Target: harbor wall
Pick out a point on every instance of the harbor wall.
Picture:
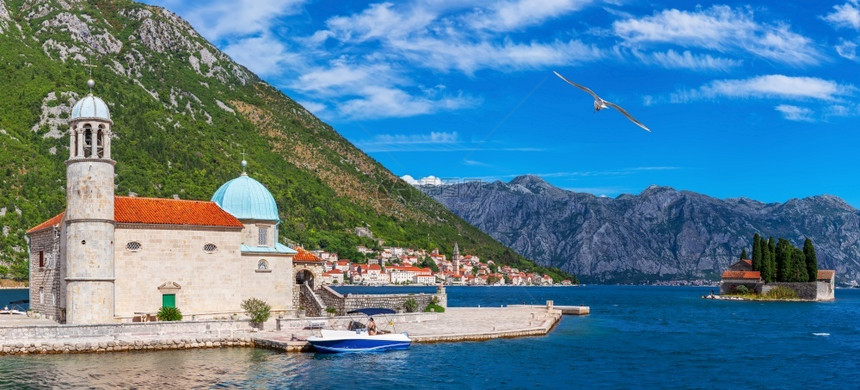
(123, 337)
(346, 303)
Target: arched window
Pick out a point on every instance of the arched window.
(100, 144)
(75, 136)
(262, 265)
(88, 140)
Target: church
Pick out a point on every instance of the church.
(110, 259)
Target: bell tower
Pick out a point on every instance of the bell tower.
(89, 219)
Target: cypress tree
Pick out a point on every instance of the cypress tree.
(744, 254)
(771, 259)
(757, 254)
(798, 264)
(783, 260)
(811, 260)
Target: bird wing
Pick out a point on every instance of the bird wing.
(632, 119)
(590, 92)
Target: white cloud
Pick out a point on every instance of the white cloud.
(515, 14)
(769, 86)
(847, 49)
(719, 28)
(795, 113)
(264, 55)
(314, 107)
(687, 60)
(845, 15)
(385, 102)
(409, 179)
(222, 18)
(424, 181)
(434, 137)
(469, 57)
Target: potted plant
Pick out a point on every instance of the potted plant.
(258, 310)
(330, 311)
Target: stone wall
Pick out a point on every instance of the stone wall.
(807, 291)
(60, 332)
(45, 288)
(349, 302)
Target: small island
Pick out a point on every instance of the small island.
(778, 271)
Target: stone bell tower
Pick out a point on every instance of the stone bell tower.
(89, 218)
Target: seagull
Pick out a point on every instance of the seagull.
(600, 104)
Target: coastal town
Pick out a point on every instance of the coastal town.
(406, 266)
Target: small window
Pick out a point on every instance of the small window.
(41, 259)
(41, 295)
(210, 248)
(263, 266)
(264, 232)
(133, 246)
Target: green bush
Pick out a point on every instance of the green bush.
(257, 309)
(330, 310)
(743, 290)
(782, 292)
(166, 313)
(411, 305)
(434, 308)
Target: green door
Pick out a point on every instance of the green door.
(168, 300)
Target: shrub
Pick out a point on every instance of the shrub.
(257, 309)
(166, 313)
(434, 308)
(330, 310)
(411, 305)
(743, 290)
(782, 292)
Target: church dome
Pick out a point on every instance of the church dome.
(246, 198)
(90, 107)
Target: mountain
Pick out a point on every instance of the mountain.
(184, 114)
(660, 234)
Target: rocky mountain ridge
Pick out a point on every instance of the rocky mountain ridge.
(661, 234)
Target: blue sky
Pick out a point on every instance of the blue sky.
(744, 99)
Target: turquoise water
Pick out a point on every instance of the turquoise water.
(14, 294)
(635, 337)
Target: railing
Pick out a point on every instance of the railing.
(309, 293)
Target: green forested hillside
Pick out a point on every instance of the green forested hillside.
(184, 113)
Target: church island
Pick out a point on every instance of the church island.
(108, 258)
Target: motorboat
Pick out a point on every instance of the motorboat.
(359, 339)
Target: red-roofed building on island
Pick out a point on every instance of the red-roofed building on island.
(741, 274)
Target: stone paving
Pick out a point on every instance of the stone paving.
(455, 324)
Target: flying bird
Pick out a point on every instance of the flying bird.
(600, 104)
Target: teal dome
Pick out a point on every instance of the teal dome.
(246, 198)
(90, 107)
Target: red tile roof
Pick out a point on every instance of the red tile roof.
(748, 262)
(825, 274)
(53, 221)
(742, 275)
(172, 212)
(162, 212)
(305, 256)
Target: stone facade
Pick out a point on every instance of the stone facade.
(46, 292)
(211, 283)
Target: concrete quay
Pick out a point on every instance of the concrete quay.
(27, 336)
(454, 325)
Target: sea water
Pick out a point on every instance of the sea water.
(635, 337)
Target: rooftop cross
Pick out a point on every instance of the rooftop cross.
(244, 163)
